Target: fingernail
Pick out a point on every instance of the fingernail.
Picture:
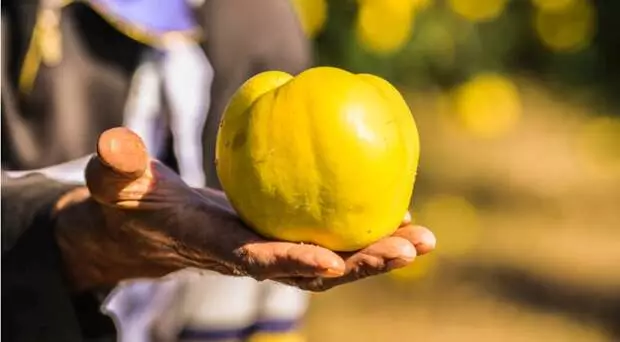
(398, 263)
(123, 151)
(408, 252)
(427, 243)
(330, 266)
(331, 273)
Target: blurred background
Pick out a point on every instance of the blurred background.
(517, 107)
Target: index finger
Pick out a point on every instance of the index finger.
(275, 259)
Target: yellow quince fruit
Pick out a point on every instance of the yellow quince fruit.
(326, 157)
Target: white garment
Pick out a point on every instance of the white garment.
(202, 303)
(215, 303)
(185, 75)
(143, 110)
(71, 172)
(137, 308)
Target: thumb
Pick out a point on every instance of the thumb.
(118, 173)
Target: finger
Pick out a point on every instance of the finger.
(381, 257)
(284, 259)
(123, 152)
(422, 238)
(121, 159)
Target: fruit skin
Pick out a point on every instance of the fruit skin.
(327, 157)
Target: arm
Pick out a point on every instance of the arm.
(35, 193)
(26, 201)
(138, 219)
(35, 299)
(155, 224)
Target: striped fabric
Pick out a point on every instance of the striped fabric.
(155, 16)
(275, 326)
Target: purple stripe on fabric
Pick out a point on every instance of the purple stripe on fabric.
(156, 16)
(212, 335)
(272, 326)
(276, 325)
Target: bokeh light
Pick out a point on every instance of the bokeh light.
(419, 5)
(567, 29)
(439, 43)
(455, 222)
(488, 105)
(552, 5)
(395, 6)
(312, 15)
(422, 267)
(599, 143)
(478, 10)
(384, 27)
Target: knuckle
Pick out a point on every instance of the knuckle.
(246, 263)
(371, 265)
(243, 254)
(250, 263)
(314, 285)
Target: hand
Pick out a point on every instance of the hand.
(139, 219)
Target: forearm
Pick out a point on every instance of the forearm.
(32, 268)
(26, 201)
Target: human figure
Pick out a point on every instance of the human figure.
(173, 70)
(63, 244)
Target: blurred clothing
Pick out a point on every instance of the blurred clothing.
(71, 172)
(143, 112)
(148, 17)
(36, 302)
(181, 75)
(137, 307)
(173, 69)
(228, 309)
(190, 305)
(70, 103)
(244, 38)
(218, 308)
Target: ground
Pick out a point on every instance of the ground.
(528, 225)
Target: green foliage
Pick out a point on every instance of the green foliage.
(446, 49)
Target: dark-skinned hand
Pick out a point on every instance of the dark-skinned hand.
(139, 219)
